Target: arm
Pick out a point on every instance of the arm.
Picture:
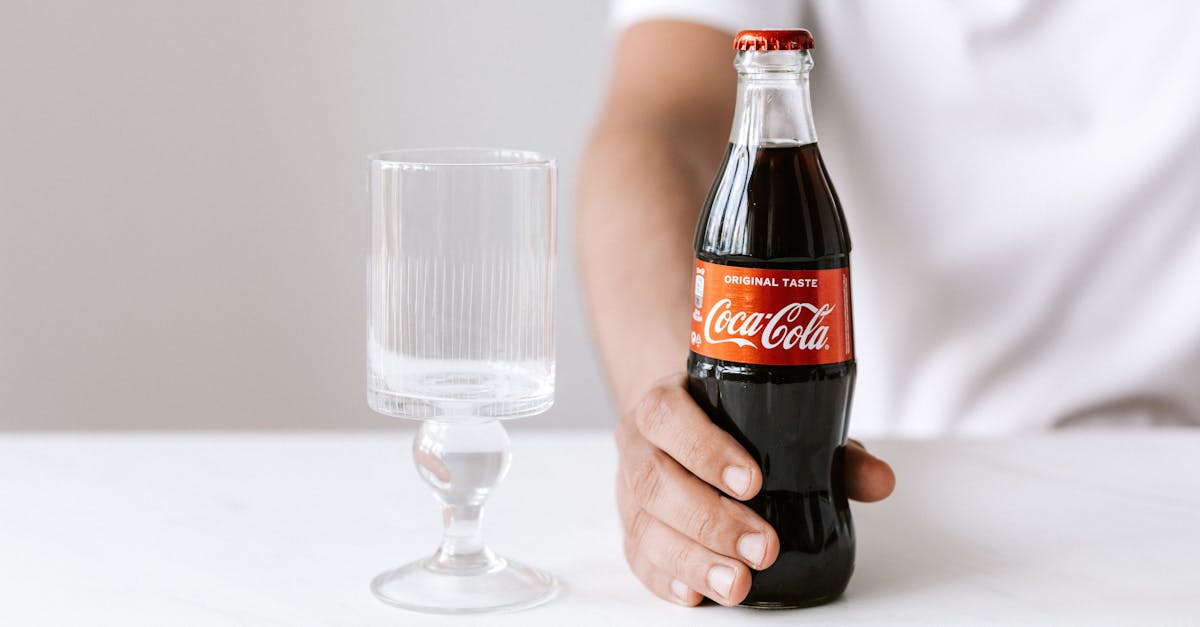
(644, 178)
(646, 171)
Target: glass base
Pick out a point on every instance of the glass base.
(423, 586)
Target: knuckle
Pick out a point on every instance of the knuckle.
(696, 450)
(703, 525)
(653, 411)
(626, 430)
(645, 479)
(681, 555)
(635, 527)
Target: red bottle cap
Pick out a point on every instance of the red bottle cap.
(781, 39)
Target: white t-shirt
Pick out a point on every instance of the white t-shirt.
(1022, 185)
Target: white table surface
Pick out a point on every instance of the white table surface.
(287, 529)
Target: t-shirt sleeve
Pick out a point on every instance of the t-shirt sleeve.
(727, 15)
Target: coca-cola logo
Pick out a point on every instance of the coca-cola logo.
(794, 326)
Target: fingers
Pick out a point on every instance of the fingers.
(683, 538)
(867, 477)
(667, 561)
(659, 486)
(662, 583)
(669, 418)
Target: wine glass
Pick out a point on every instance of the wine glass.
(461, 336)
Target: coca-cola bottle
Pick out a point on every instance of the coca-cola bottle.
(772, 359)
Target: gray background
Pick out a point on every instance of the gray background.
(182, 194)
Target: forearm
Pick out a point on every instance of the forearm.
(640, 194)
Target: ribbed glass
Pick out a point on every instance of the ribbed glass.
(461, 281)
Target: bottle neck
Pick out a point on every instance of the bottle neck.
(773, 106)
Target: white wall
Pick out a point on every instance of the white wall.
(182, 193)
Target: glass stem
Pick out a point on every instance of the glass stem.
(463, 534)
(462, 462)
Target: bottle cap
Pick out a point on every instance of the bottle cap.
(778, 39)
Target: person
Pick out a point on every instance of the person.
(1020, 182)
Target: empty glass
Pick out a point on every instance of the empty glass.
(461, 334)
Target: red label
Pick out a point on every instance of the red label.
(772, 317)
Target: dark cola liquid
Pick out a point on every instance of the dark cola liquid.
(774, 207)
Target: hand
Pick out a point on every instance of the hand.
(684, 539)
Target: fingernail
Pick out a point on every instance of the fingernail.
(752, 546)
(737, 479)
(720, 579)
(681, 590)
